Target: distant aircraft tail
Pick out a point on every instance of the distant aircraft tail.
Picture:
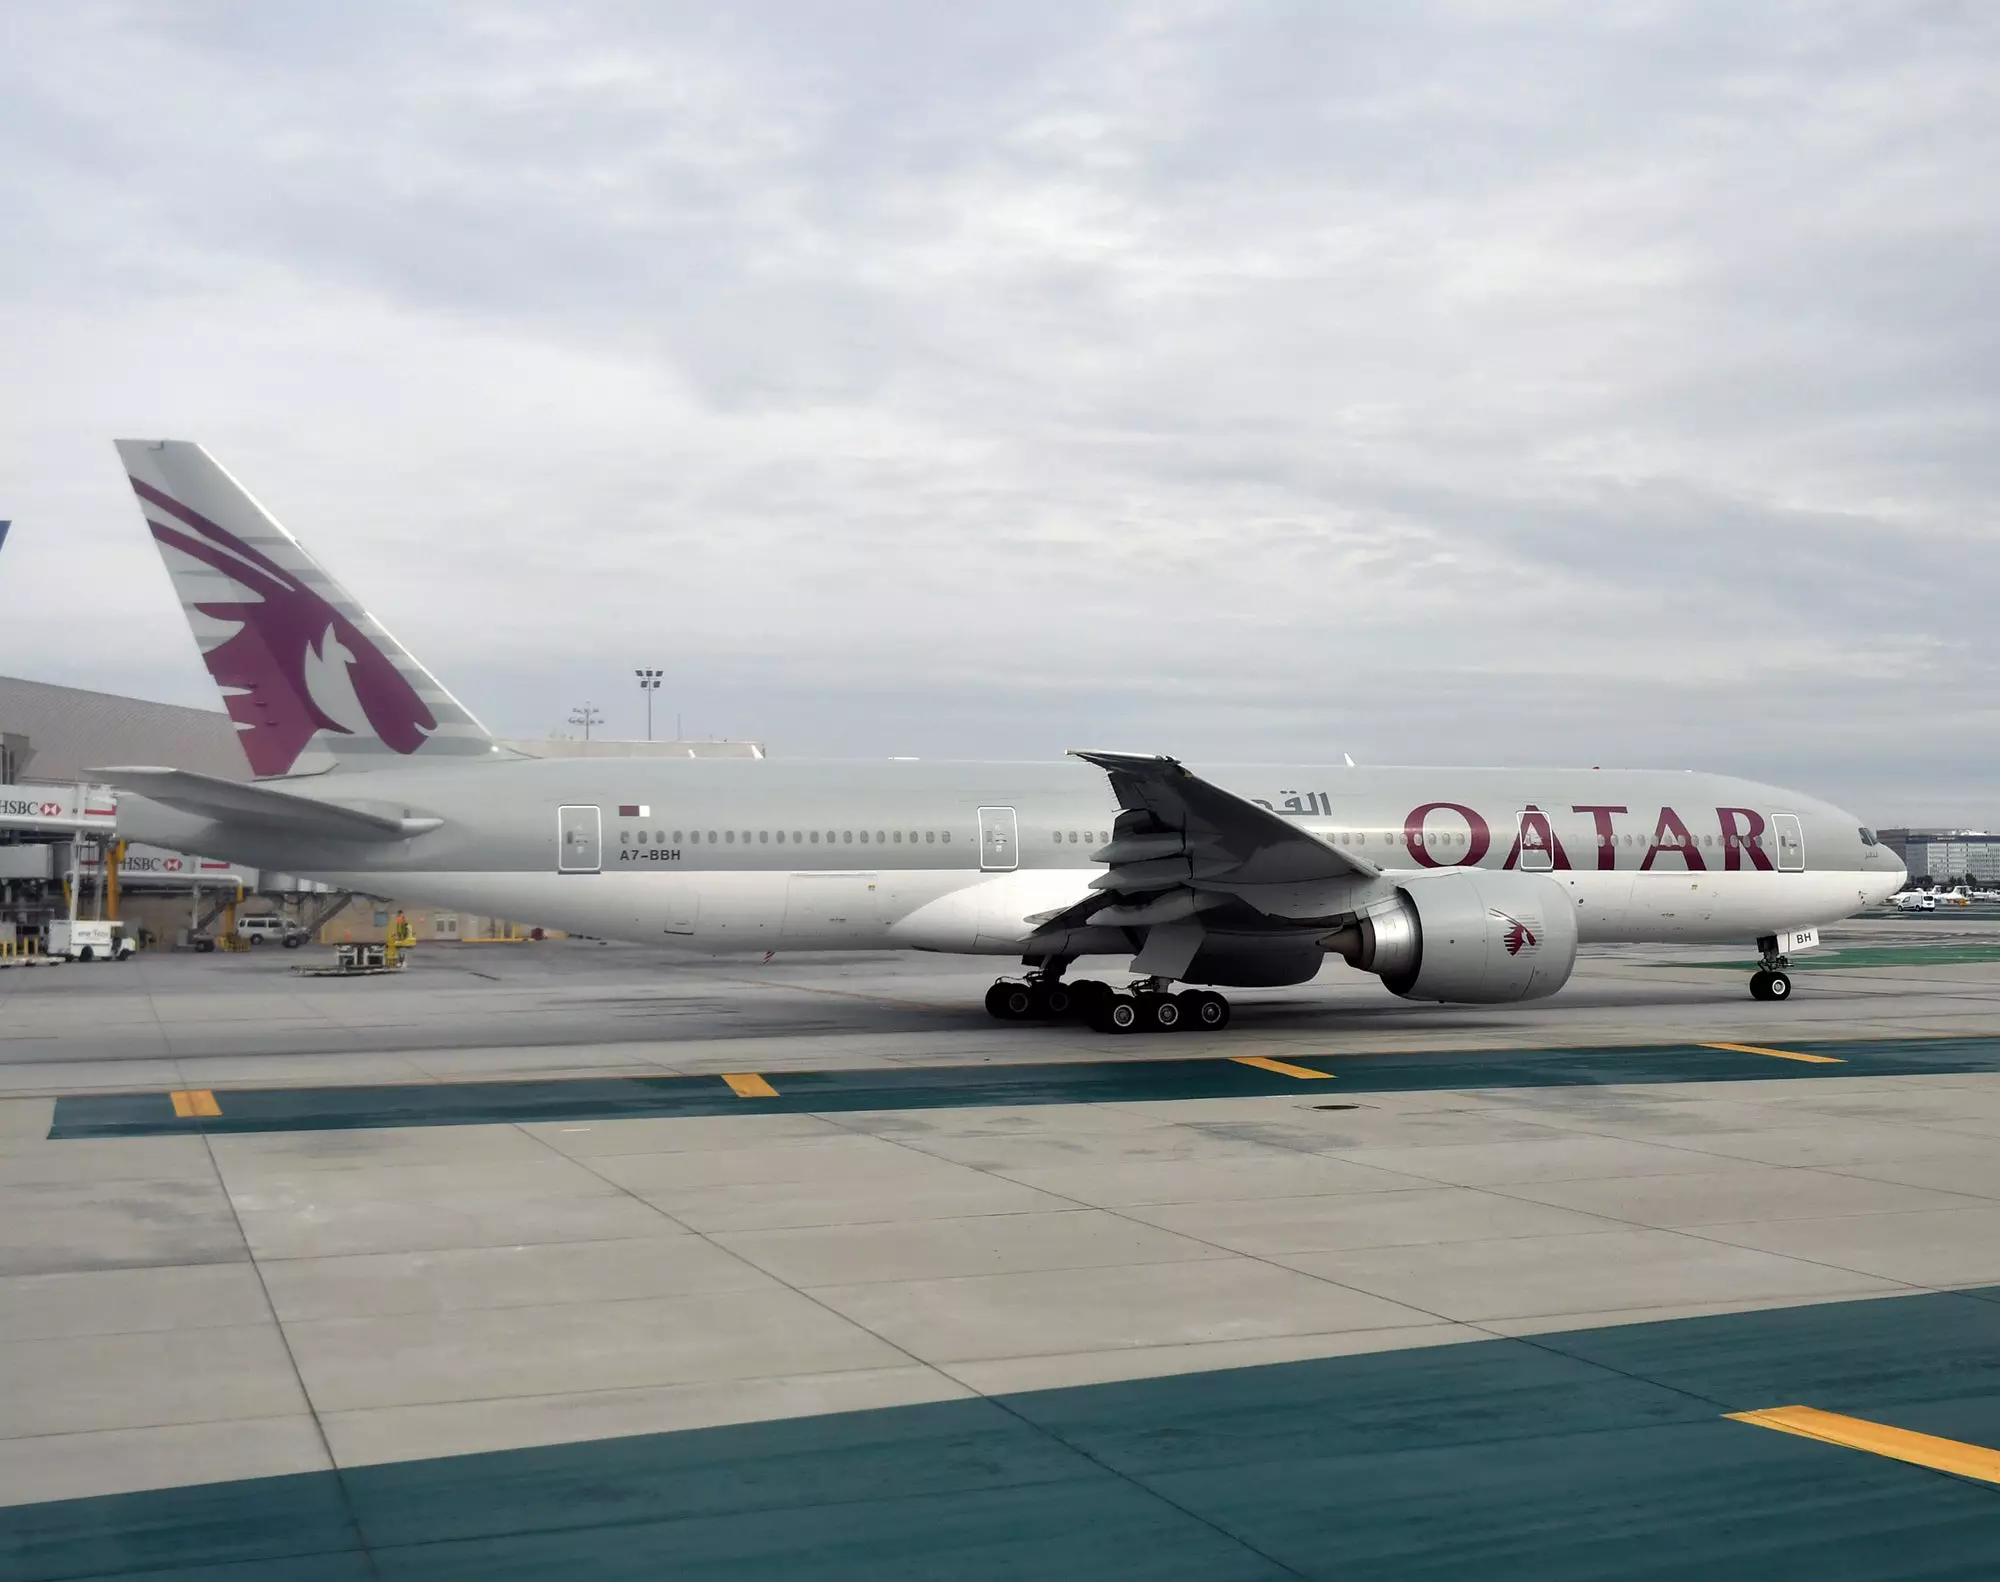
(311, 679)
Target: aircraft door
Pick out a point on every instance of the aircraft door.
(999, 840)
(1537, 842)
(580, 839)
(1791, 842)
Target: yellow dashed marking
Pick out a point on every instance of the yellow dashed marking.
(1898, 1444)
(748, 1085)
(1779, 1054)
(195, 1101)
(1303, 1073)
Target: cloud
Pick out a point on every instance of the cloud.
(1519, 381)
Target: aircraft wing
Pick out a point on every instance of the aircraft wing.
(239, 802)
(1181, 833)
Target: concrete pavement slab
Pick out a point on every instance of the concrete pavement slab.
(988, 1317)
(569, 1347)
(940, 1248)
(1525, 1276)
(535, 1274)
(68, 1466)
(77, 1384)
(130, 1301)
(1741, 1194)
(371, 1435)
(53, 1226)
(1365, 1219)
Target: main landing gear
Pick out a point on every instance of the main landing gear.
(1770, 981)
(1147, 1006)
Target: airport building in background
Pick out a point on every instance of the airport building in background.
(1946, 856)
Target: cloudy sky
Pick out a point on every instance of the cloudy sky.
(1504, 381)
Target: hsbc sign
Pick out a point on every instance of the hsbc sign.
(83, 810)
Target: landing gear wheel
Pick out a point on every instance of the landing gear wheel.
(1010, 1002)
(1085, 995)
(1160, 1013)
(1115, 1013)
(1055, 1000)
(1204, 1011)
(1766, 984)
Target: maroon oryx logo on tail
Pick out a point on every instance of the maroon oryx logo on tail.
(262, 667)
(1519, 936)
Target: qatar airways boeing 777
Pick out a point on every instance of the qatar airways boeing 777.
(1448, 884)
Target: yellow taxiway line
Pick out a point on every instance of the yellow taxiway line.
(748, 1085)
(195, 1101)
(1898, 1444)
(1303, 1073)
(1778, 1054)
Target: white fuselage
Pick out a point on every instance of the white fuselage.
(726, 856)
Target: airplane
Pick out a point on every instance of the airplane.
(1450, 885)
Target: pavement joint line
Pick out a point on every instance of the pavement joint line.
(1303, 1073)
(189, 1102)
(1897, 1444)
(1779, 1054)
(749, 1085)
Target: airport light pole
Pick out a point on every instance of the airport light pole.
(586, 716)
(649, 683)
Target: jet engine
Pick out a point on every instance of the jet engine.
(1469, 935)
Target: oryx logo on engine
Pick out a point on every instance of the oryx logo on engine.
(1518, 937)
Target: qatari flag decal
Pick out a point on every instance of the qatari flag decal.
(634, 810)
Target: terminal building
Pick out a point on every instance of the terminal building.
(1947, 856)
(60, 854)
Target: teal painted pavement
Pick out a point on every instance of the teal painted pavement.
(952, 1087)
(1596, 1454)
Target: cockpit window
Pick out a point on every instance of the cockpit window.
(1867, 836)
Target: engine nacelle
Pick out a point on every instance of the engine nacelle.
(1469, 935)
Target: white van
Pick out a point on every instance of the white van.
(270, 929)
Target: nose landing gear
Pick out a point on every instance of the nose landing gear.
(1770, 981)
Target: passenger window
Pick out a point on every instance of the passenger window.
(946, 837)
(642, 837)
(864, 837)
(763, 837)
(711, 837)
(815, 839)
(781, 837)
(624, 838)
(847, 837)
(930, 837)
(677, 837)
(899, 837)
(797, 838)
(730, 836)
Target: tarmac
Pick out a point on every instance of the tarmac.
(571, 1260)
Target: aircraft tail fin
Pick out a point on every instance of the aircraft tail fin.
(312, 680)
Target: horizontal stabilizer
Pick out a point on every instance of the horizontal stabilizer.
(236, 802)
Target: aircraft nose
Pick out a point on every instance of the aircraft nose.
(1887, 876)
